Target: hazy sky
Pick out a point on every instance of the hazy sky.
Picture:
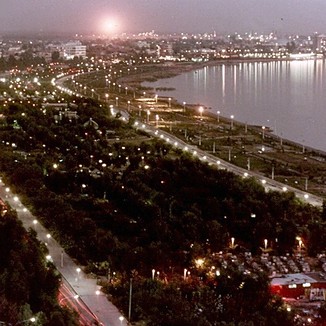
(223, 16)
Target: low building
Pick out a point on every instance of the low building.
(311, 286)
(74, 49)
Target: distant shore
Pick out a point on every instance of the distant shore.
(172, 69)
(168, 70)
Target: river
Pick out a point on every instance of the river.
(287, 96)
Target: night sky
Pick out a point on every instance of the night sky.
(222, 16)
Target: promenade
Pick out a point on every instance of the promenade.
(100, 311)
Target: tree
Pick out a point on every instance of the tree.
(55, 56)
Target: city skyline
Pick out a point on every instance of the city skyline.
(113, 17)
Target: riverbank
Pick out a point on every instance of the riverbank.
(172, 69)
(248, 146)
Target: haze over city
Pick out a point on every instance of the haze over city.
(193, 16)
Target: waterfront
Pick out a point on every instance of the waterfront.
(287, 96)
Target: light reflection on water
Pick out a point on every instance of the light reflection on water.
(287, 96)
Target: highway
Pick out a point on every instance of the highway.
(95, 307)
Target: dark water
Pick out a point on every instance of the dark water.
(289, 97)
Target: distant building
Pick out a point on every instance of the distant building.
(164, 50)
(74, 49)
(319, 43)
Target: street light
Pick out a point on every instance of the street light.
(121, 318)
(78, 271)
(157, 119)
(184, 106)
(232, 242)
(218, 116)
(148, 113)
(263, 131)
(116, 101)
(169, 102)
(232, 117)
(201, 109)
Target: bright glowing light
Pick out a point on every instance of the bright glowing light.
(110, 25)
(199, 262)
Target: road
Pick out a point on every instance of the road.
(268, 183)
(99, 309)
(68, 298)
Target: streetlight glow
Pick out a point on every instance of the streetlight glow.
(201, 109)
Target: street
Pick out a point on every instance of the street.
(102, 311)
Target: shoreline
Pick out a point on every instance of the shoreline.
(175, 69)
(172, 69)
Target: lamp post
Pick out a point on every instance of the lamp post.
(263, 131)
(201, 109)
(232, 117)
(148, 113)
(169, 102)
(157, 119)
(130, 299)
(116, 101)
(78, 271)
(184, 106)
(232, 242)
(218, 116)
